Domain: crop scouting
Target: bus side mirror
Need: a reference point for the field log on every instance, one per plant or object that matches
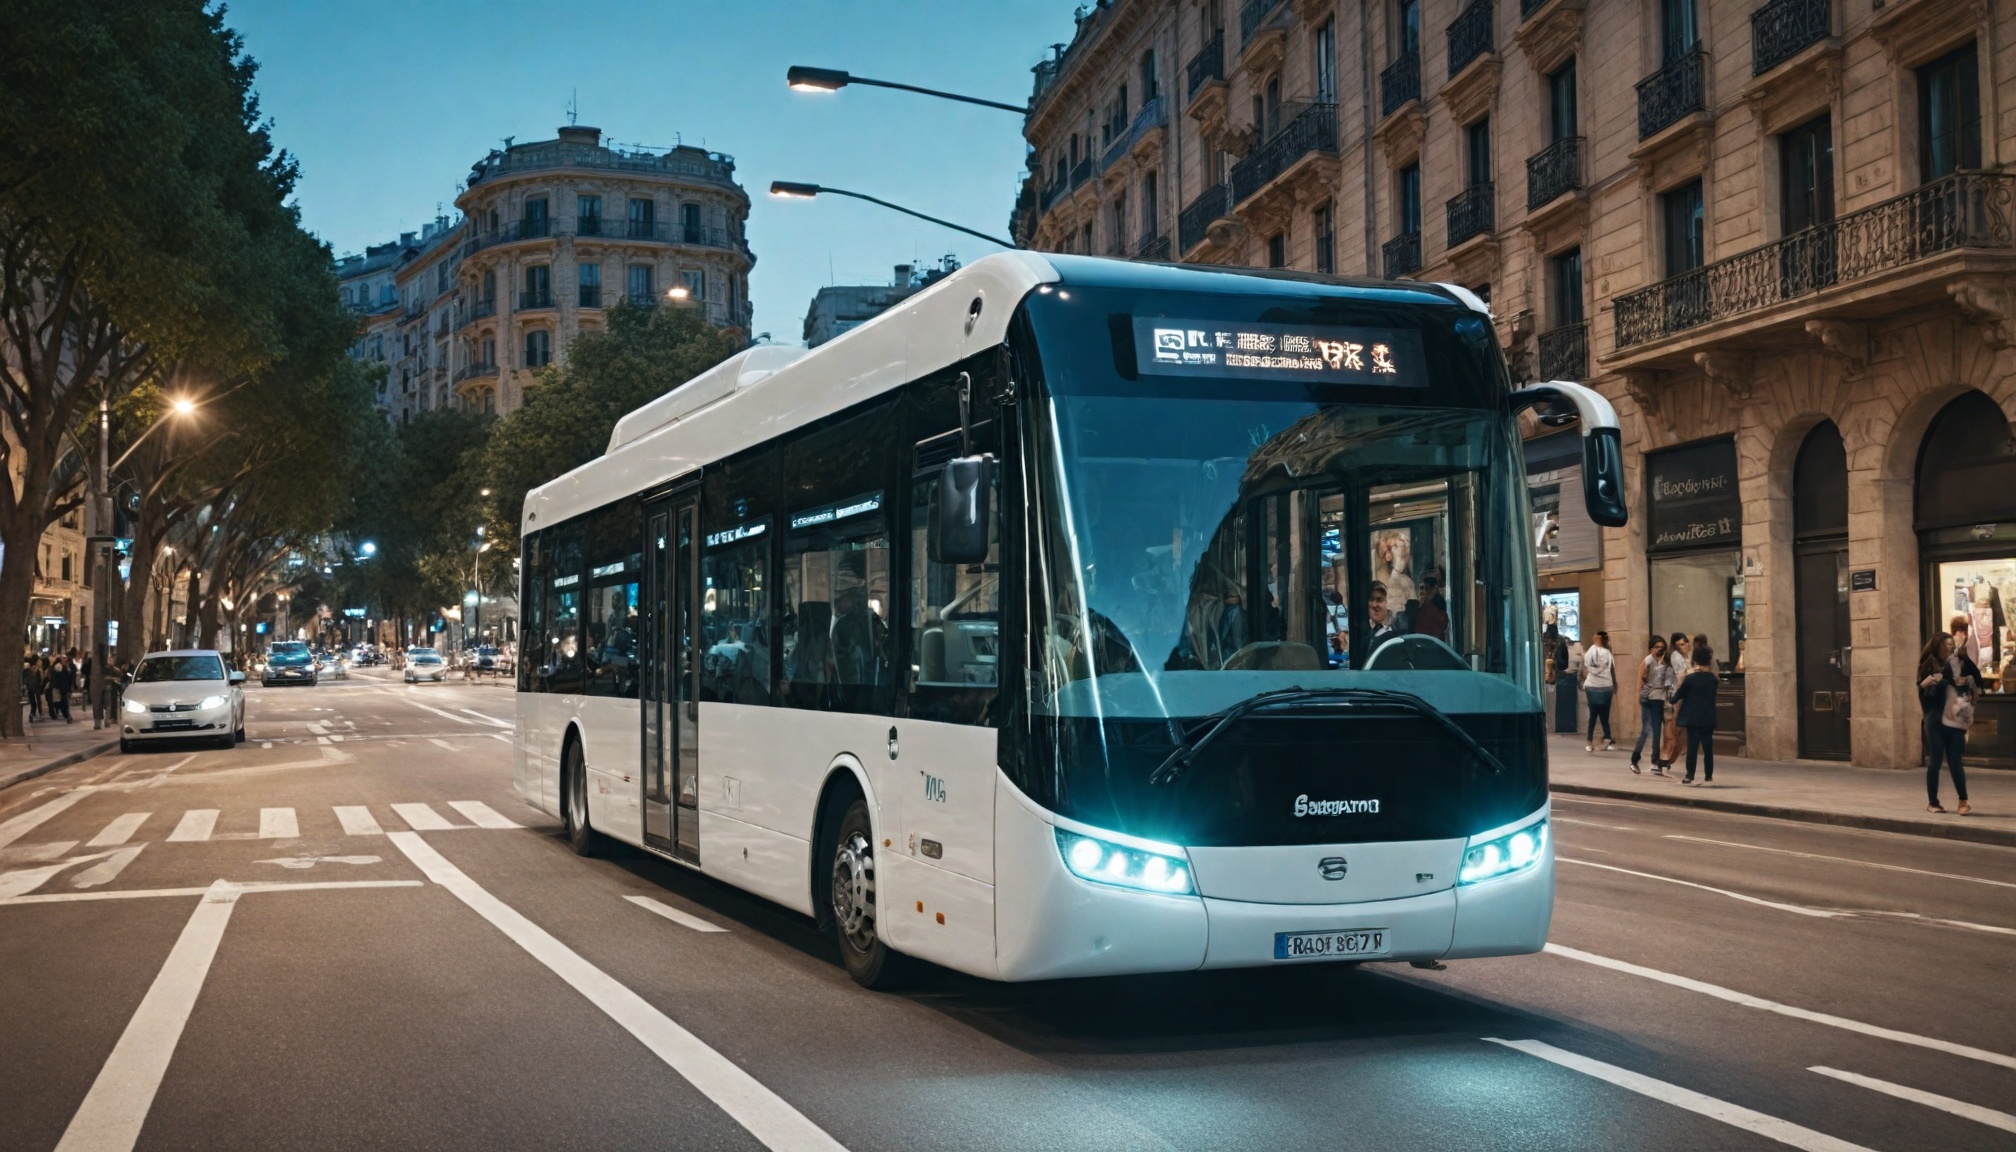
(959, 523)
(1602, 444)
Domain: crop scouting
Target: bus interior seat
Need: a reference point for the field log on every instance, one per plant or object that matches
(1275, 656)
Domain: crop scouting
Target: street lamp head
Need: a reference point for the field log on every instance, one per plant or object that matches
(791, 190)
(483, 492)
(804, 79)
(679, 293)
(182, 406)
(368, 548)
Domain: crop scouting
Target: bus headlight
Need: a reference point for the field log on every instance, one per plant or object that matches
(1504, 855)
(1106, 863)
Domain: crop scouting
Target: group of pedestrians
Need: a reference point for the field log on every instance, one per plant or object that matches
(50, 680)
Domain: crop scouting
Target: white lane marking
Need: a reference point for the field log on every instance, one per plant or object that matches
(500, 736)
(311, 861)
(1799, 909)
(1974, 1112)
(1844, 860)
(1919, 916)
(265, 744)
(491, 719)
(675, 915)
(431, 708)
(767, 1116)
(1592, 824)
(119, 830)
(481, 814)
(421, 818)
(318, 728)
(114, 1110)
(118, 894)
(278, 824)
(196, 824)
(1735, 1115)
(108, 871)
(321, 740)
(1758, 1002)
(25, 880)
(27, 822)
(37, 852)
(336, 738)
(357, 820)
(442, 744)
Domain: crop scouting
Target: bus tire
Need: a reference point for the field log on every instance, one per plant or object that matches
(850, 849)
(574, 778)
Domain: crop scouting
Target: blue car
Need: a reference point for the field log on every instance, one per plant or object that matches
(289, 662)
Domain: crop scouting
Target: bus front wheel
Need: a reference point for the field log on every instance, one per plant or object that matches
(872, 963)
(574, 775)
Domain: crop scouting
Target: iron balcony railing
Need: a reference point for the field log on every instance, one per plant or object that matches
(1671, 93)
(1781, 29)
(1252, 16)
(1472, 212)
(1050, 196)
(529, 300)
(1965, 210)
(1313, 129)
(1400, 83)
(1145, 121)
(1206, 66)
(1469, 35)
(1402, 255)
(474, 312)
(1528, 7)
(1210, 206)
(1155, 248)
(685, 163)
(1564, 352)
(1081, 171)
(604, 228)
(1553, 170)
(589, 296)
(474, 370)
(590, 225)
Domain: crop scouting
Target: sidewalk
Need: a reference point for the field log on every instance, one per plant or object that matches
(52, 745)
(1817, 792)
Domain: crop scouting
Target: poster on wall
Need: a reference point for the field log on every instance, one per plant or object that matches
(1691, 497)
(1563, 610)
(1564, 538)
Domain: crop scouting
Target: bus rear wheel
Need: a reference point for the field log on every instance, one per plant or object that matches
(574, 778)
(870, 961)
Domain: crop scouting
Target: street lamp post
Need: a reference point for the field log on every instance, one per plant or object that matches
(100, 544)
(806, 79)
(793, 190)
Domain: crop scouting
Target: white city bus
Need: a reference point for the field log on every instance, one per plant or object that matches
(1074, 617)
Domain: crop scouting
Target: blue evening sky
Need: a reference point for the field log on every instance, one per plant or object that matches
(387, 104)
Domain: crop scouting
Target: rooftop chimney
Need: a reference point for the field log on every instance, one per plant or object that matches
(903, 274)
(406, 238)
(580, 134)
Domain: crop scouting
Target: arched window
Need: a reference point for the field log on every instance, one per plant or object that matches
(1967, 466)
(1820, 485)
(538, 348)
(1966, 515)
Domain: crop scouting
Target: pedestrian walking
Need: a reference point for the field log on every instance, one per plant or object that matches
(1678, 648)
(1947, 683)
(36, 687)
(1694, 711)
(62, 682)
(1655, 685)
(1599, 687)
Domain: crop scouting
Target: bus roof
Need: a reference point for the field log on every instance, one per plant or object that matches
(765, 391)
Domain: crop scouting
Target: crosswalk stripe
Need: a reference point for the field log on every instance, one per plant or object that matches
(1975, 1112)
(19, 826)
(500, 736)
(442, 744)
(196, 824)
(108, 870)
(1735, 1115)
(358, 821)
(481, 814)
(119, 830)
(421, 818)
(278, 824)
(684, 919)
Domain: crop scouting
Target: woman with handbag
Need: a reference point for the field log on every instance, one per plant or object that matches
(1947, 682)
(1655, 684)
(1599, 685)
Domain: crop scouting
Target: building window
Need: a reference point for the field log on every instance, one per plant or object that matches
(442, 278)
(1680, 218)
(689, 219)
(489, 401)
(538, 287)
(489, 350)
(1679, 31)
(1323, 225)
(1118, 235)
(591, 285)
(643, 290)
(588, 215)
(696, 283)
(1326, 63)
(1085, 239)
(538, 348)
(1949, 115)
(643, 218)
(1151, 84)
(1407, 19)
(1277, 250)
(490, 286)
(535, 217)
(1273, 105)
(1564, 288)
(1477, 151)
(1409, 207)
(1562, 118)
(1151, 208)
(1806, 176)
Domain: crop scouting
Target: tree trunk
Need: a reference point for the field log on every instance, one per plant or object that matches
(22, 537)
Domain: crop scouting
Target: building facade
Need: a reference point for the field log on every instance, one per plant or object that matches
(1777, 235)
(841, 307)
(551, 234)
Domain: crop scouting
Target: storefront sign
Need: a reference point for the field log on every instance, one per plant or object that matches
(1564, 538)
(1691, 497)
(1862, 580)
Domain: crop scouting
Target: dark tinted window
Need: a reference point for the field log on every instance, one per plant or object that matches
(615, 561)
(565, 665)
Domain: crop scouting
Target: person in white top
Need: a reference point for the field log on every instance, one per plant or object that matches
(1599, 687)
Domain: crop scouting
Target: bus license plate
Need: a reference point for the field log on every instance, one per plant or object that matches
(1346, 944)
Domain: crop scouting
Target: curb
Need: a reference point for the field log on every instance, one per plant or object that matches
(1973, 833)
(13, 778)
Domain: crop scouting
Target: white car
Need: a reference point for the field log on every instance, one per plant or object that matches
(425, 664)
(182, 695)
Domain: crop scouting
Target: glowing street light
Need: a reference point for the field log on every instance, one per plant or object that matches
(802, 78)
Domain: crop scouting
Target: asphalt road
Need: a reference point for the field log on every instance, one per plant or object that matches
(405, 956)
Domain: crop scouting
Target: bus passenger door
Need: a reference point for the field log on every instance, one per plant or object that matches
(666, 690)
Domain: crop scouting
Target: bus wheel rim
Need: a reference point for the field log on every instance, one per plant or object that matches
(854, 891)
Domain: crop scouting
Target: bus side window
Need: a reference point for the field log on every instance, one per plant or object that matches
(532, 627)
(836, 608)
(609, 649)
(563, 610)
(735, 619)
(955, 617)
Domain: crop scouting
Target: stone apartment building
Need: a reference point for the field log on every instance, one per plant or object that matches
(551, 234)
(1777, 235)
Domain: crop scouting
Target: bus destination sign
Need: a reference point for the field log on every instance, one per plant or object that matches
(1380, 357)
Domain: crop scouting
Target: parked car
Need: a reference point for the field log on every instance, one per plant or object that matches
(425, 664)
(180, 695)
(289, 662)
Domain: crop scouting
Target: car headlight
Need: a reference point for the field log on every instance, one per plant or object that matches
(1103, 862)
(209, 702)
(1504, 855)
(136, 707)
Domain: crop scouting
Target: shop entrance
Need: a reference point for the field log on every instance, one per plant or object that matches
(1820, 562)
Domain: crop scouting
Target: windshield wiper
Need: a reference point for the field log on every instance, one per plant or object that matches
(1188, 748)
